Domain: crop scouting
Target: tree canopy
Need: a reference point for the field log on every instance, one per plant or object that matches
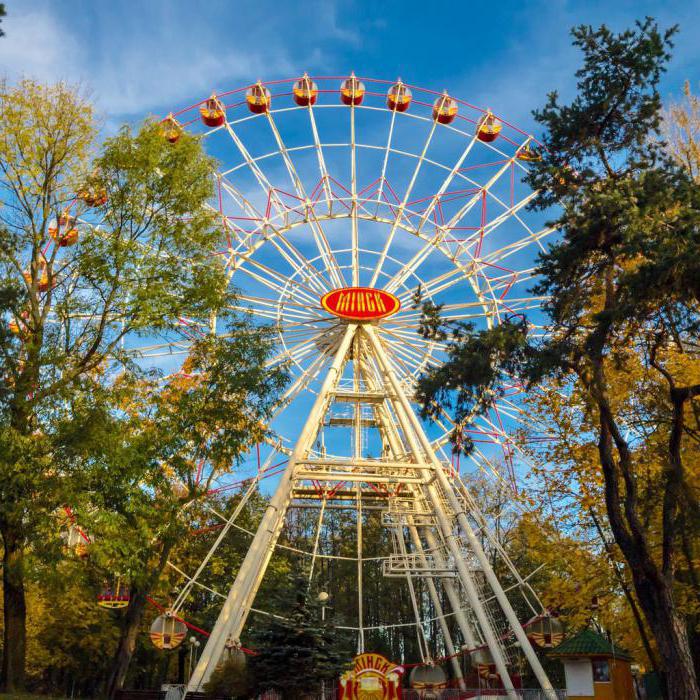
(622, 289)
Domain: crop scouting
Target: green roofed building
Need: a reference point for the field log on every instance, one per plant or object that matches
(595, 668)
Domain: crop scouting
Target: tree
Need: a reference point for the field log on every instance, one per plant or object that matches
(682, 132)
(74, 292)
(625, 275)
(296, 653)
(168, 440)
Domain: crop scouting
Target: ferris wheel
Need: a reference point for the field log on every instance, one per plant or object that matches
(343, 201)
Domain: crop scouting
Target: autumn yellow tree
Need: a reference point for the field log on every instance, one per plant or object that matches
(682, 131)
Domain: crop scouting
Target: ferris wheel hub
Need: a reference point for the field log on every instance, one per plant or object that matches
(360, 304)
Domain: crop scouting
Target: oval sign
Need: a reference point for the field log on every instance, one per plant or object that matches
(360, 303)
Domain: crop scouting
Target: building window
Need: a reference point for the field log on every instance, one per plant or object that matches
(601, 670)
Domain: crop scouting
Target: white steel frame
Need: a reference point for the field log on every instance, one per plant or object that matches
(280, 275)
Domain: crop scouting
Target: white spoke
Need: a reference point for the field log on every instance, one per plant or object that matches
(402, 206)
(320, 237)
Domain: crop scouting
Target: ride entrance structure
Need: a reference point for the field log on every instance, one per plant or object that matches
(343, 202)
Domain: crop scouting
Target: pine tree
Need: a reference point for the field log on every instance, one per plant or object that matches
(299, 652)
(622, 283)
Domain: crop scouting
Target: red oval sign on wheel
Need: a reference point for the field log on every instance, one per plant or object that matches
(360, 303)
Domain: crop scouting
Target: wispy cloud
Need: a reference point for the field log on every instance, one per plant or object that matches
(35, 45)
(157, 56)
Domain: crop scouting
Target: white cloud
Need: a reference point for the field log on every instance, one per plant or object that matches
(133, 63)
(36, 46)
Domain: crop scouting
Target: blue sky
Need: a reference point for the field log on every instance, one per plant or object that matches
(154, 55)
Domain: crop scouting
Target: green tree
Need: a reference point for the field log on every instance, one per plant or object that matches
(71, 293)
(168, 440)
(624, 275)
(297, 653)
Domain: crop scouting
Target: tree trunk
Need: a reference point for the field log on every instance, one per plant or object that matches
(654, 589)
(628, 594)
(127, 642)
(132, 620)
(671, 637)
(15, 611)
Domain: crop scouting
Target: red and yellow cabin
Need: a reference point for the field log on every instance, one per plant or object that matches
(488, 128)
(258, 98)
(399, 97)
(93, 197)
(167, 631)
(114, 599)
(305, 91)
(65, 219)
(19, 326)
(545, 631)
(352, 91)
(43, 282)
(171, 129)
(213, 112)
(529, 153)
(64, 232)
(444, 109)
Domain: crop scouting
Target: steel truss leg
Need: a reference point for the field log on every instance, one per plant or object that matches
(420, 444)
(242, 594)
(432, 590)
(390, 434)
(452, 592)
(400, 410)
(414, 431)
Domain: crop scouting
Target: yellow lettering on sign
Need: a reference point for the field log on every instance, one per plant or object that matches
(380, 302)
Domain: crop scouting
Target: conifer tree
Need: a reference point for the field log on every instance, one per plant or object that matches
(298, 653)
(623, 280)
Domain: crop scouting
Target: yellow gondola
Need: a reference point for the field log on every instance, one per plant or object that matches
(399, 97)
(545, 632)
(93, 197)
(258, 98)
(64, 231)
(529, 153)
(213, 112)
(114, 598)
(167, 631)
(43, 283)
(171, 129)
(352, 91)
(488, 128)
(444, 109)
(305, 91)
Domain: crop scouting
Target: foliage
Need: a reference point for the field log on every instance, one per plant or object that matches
(68, 309)
(622, 290)
(231, 679)
(681, 128)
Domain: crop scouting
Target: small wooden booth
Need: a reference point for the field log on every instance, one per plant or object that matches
(595, 668)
